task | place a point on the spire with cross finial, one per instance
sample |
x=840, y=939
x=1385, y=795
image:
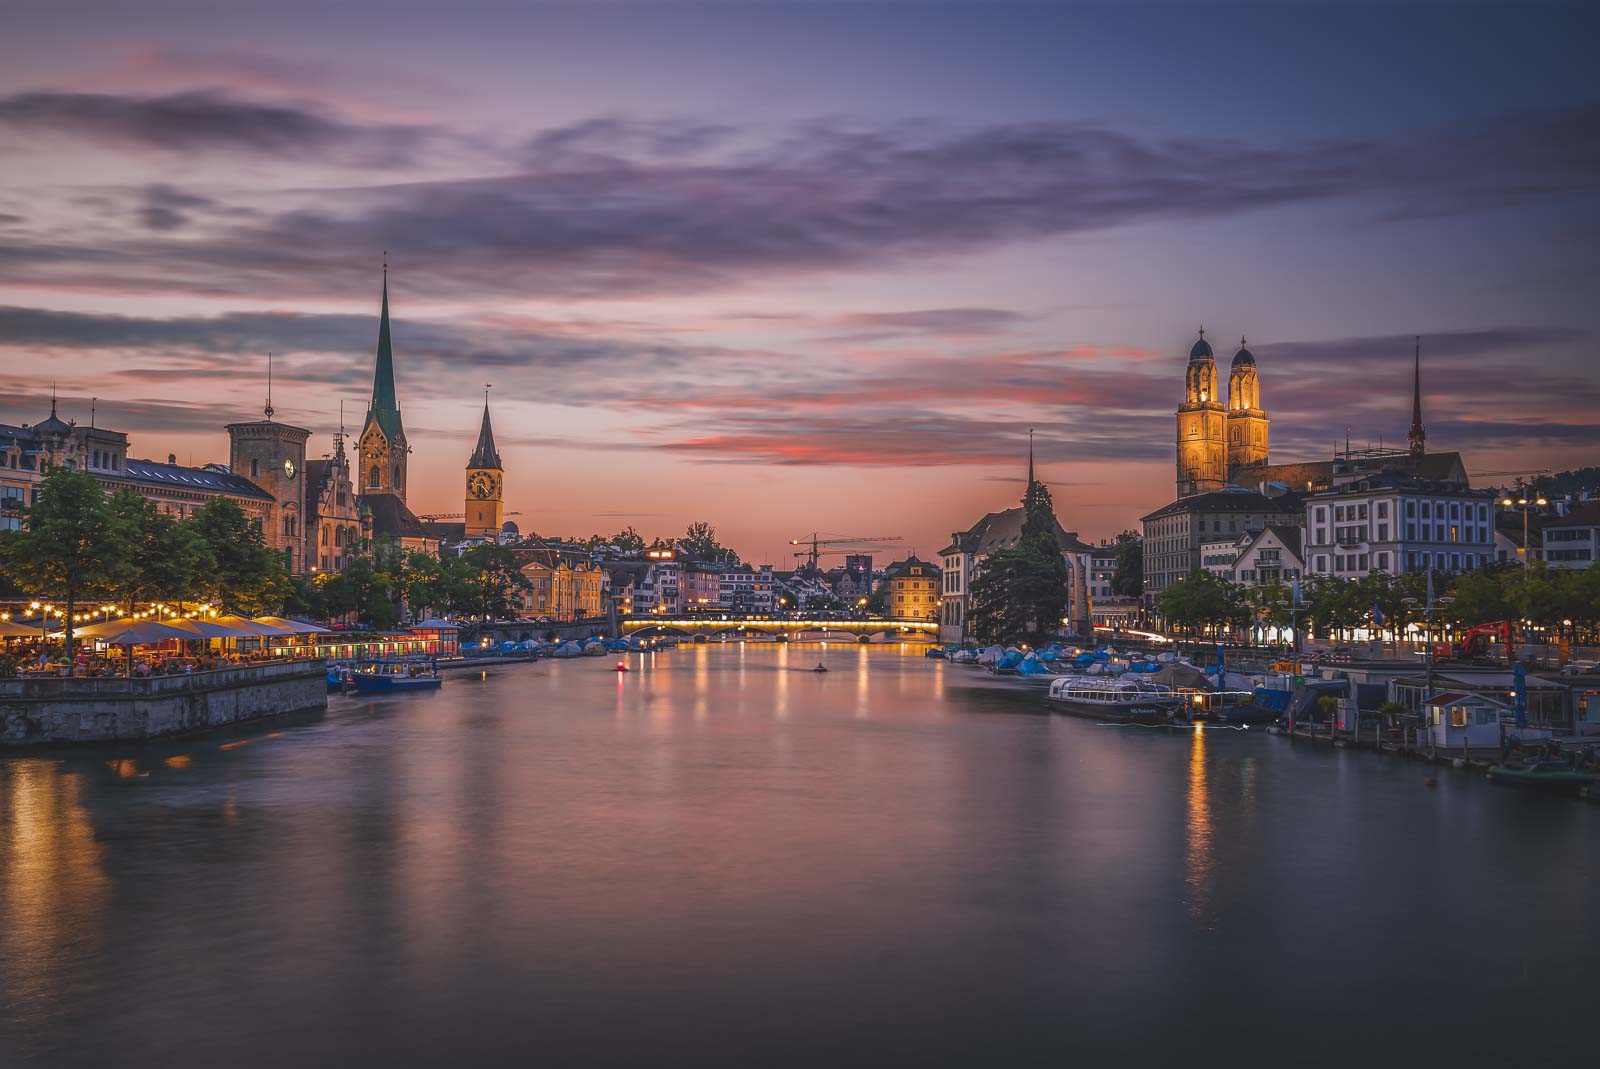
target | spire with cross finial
x=267, y=408
x=485, y=455
x=1418, y=437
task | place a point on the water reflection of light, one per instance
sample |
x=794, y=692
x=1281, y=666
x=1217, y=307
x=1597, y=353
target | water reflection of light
x=126, y=768
x=53, y=889
x=1200, y=858
x=702, y=681
x=863, y=709
x=782, y=697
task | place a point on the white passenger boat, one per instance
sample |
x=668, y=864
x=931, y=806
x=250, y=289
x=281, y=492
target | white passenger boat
x=1114, y=698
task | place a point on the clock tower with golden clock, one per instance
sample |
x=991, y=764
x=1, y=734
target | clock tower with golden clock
x=485, y=485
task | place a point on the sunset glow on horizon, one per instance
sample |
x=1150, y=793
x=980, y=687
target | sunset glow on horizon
x=794, y=269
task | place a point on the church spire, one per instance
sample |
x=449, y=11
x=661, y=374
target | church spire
x=485, y=456
x=1030, y=458
x=1418, y=436
x=383, y=395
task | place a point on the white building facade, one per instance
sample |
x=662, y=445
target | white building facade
x=1395, y=524
x=1573, y=540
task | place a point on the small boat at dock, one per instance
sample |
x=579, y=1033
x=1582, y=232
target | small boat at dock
x=1547, y=768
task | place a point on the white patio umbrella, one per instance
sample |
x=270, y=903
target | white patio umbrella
x=144, y=633
x=246, y=626
x=293, y=627
x=106, y=630
x=208, y=629
x=8, y=629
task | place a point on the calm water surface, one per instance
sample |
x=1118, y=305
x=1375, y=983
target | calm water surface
x=720, y=859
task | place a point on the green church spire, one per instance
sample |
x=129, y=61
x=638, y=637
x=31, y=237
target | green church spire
x=385, y=408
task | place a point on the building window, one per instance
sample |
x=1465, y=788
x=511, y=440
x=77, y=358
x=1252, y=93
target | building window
x=373, y=478
x=255, y=468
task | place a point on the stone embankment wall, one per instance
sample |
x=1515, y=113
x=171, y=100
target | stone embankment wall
x=52, y=709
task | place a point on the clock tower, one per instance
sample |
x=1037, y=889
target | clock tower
x=485, y=485
x=273, y=456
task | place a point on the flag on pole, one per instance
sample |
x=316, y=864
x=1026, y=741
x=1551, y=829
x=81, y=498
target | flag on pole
x=1519, y=693
x=1377, y=614
x=1294, y=595
x=1430, y=588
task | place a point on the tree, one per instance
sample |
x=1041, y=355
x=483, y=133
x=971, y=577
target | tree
x=1021, y=592
x=364, y=590
x=878, y=600
x=71, y=544
x=700, y=541
x=247, y=577
x=1202, y=600
x=1128, y=580
x=496, y=581
x=424, y=584
x=1481, y=596
x=628, y=540
x=167, y=560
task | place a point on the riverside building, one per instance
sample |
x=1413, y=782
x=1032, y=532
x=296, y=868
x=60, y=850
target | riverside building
x=1392, y=523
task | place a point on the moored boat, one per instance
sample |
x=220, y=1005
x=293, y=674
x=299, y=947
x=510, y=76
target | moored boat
x=1544, y=774
x=398, y=675
x=1115, y=699
x=338, y=679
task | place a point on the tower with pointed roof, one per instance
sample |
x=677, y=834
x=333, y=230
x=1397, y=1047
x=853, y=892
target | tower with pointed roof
x=1247, y=423
x=485, y=484
x=1418, y=438
x=273, y=456
x=1202, y=418
x=382, y=446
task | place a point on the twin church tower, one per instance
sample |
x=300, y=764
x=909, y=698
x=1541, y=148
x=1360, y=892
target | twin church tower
x=1216, y=440
x=383, y=451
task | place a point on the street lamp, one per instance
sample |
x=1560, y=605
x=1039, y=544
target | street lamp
x=1522, y=503
x=1428, y=610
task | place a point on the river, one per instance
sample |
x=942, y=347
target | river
x=721, y=859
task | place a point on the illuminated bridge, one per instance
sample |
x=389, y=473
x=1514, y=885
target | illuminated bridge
x=717, y=627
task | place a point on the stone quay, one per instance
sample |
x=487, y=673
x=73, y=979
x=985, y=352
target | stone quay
x=51, y=710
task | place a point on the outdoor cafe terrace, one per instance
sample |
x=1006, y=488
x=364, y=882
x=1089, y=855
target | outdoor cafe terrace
x=158, y=642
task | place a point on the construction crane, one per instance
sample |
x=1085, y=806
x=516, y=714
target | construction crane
x=816, y=542
x=434, y=517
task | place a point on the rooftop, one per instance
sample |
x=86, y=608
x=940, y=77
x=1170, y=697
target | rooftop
x=151, y=473
x=1229, y=499
x=1001, y=530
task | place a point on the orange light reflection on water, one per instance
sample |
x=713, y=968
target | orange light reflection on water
x=1200, y=855
x=53, y=887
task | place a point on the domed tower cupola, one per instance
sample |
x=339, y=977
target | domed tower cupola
x=1202, y=440
x=1201, y=382
x=1243, y=391
x=1247, y=423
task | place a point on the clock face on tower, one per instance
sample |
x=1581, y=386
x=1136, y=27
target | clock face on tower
x=482, y=484
x=289, y=468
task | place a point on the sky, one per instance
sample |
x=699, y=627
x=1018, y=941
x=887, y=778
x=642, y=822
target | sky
x=804, y=267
